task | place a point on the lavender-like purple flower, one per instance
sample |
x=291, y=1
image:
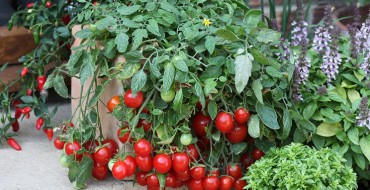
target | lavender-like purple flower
x=285, y=55
x=363, y=118
x=322, y=39
x=365, y=66
x=363, y=36
x=296, y=93
x=299, y=32
x=330, y=65
x=352, y=30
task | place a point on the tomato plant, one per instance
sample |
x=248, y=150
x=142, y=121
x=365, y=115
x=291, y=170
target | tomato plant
x=162, y=163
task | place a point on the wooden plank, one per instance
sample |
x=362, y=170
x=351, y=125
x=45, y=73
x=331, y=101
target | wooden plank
x=14, y=44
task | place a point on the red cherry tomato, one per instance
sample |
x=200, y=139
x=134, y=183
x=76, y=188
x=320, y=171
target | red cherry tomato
x=183, y=176
x=257, y=154
x=142, y=147
x=112, y=145
x=234, y=170
x=119, y=170
x=66, y=19
x=162, y=163
x=100, y=172
x=30, y=5
x=225, y=122
x=200, y=122
x=238, y=134
x=203, y=143
x=198, y=172
x=180, y=162
x=144, y=163
x=90, y=145
x=102, y=156
x=195, y=184
x=72, y=148
x=152, y=180
x=213, y=172
x=144, y=123
x=178, y=183
x=126, y=135
x=133, y=101
x=211, y=183
x=131, y=165
x=48, y=4
x=239, y=184
x=242, y=115
x=113, y=102
x=192, y=152
x=59, y=144
x=170, y=180
x=140, y=178
x=226, y=183
x=246, y=161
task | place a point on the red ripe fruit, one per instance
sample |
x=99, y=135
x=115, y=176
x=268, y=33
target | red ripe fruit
x=29, y=92
x=72, y=148
x=198, y=172
x=195, y=184
x=41, y=81
x=119, y=170
x=24, y=71
x=142, y=147
x=140, y=178
x=102, y=156
x=144, y=123
x=225, y=122
x=126, y=135
x=133, y=101
x=144, y=163
x=48, y=4
x=242, y=115
x=39, y=123
x=246, y=161
x=226, y=183
x=162, y=163
x=180, y=162
x=170, y=180
x=238, y=134
x=30, y=5
x=239, y=184
x=192, y=152
x=211, y=183
x=112, y=145
x=49, y=133
x=200, y=122
x=59, y=144
x=100, y=172
x=152, y=180
x=66, y=19
x=234, y=170
x=13, y=143
x=257, y=154
x=15, y=126
x=90, y=145
x=130, y=165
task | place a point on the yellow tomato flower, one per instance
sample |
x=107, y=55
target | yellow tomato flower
x=206, y=22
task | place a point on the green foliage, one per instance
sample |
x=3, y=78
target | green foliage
x=296, y=166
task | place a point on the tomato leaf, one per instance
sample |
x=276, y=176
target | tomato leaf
x=169, y=75
x=243, y=71
x=180, y=64
x=210, y=43
x=139, y=35
x=236, y=149
x=84, y=33
x=200, y=94
x=98, y=92
x=60, y=87
x=128, y=10
x=265, y=35
x=121, y=42
x=254, y=126
x=153, y=28
x=138, y=81
x=257, y=89
x=268, y=116
x=252, y=18
x=177, y=102
x=212, y=109
x=227, y=35
x=129, y=69
x=87, y=69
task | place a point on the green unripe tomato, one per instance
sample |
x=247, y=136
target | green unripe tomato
x=168, y=96
x=186, y=139
x=111, y=163
x=63, y=160
x=93, y=27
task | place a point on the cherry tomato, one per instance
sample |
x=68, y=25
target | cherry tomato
x=112, y=145
x=144, y=163
x=211, y=183
x=112, y=103
x=178, y=183
x=93, y=27
x=59, y=144
x=192, y=152
x=180, y=162
x=72, y=148
x=203, y=143
x=168, y=96
x=186, y=139
x=213, y=172
x=144, y=123
x=257, y=154
x=234, y=170
x=30, y=5
x=162, y=163
x=238, y=134
x=67, y=126
x=200, y=122
x=170, y=180
x=100, y=172
x=140, y=178
x=199, y=105
x=246, y=161
x=126, y=135
x=66, y=19
x=102, y=156
x=239, y=184
x=133, y=101
x=225, y=122
x=90, y=145
x=131, y=165
x=183, y=176
x=226, y=183
x=48, y=4
x=95, y=3
x=152, y=180
x=88, y=155
x=63, y=160
x=142, y=147
x=195, y=184
x=119, y=170
x=242, y=115
x=198, y=172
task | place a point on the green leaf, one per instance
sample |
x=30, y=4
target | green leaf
x=162, y=180
x=157, y=112
x=139, y=35
x=84, y=33
x=27, y=99
x=190, y=33
x=73, y=171
x=212, y=109
x=335, y=97
x=128, y=10
x=310, y=110
x=257, y=89
x=360, y=161
x=200, y=94
x=267, y=115
x=180, y=64
x=138, y=81
x=353, y=95
x=353, y=135
x=210, y=86
x=73, y=60
x=307, y=125
x=87, y=69
x=106, y=22
x=252, y=18
x=264, y=144
x=169, y=75
x=259, y=57
x=328, y=129
x=121, y=42
x=167, y=141
x=254, y=126
x=243, y=71
x=210, y=43
x=216, y=136
x=265, y=35
x=365, y=146
x=153, y=67
x=60, y=87
x=152, y=27
x=287, y=123
x=64, y=32
x=168, y=7
x=177, y=102
x=227, y=35
x=98, y=92
x=129, y=69
x=273, y=72
x=236, y=149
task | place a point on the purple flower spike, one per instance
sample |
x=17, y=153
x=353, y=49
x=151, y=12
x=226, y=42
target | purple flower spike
x=363, y=118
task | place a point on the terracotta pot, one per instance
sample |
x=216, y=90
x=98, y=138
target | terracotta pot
x=348, y=14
